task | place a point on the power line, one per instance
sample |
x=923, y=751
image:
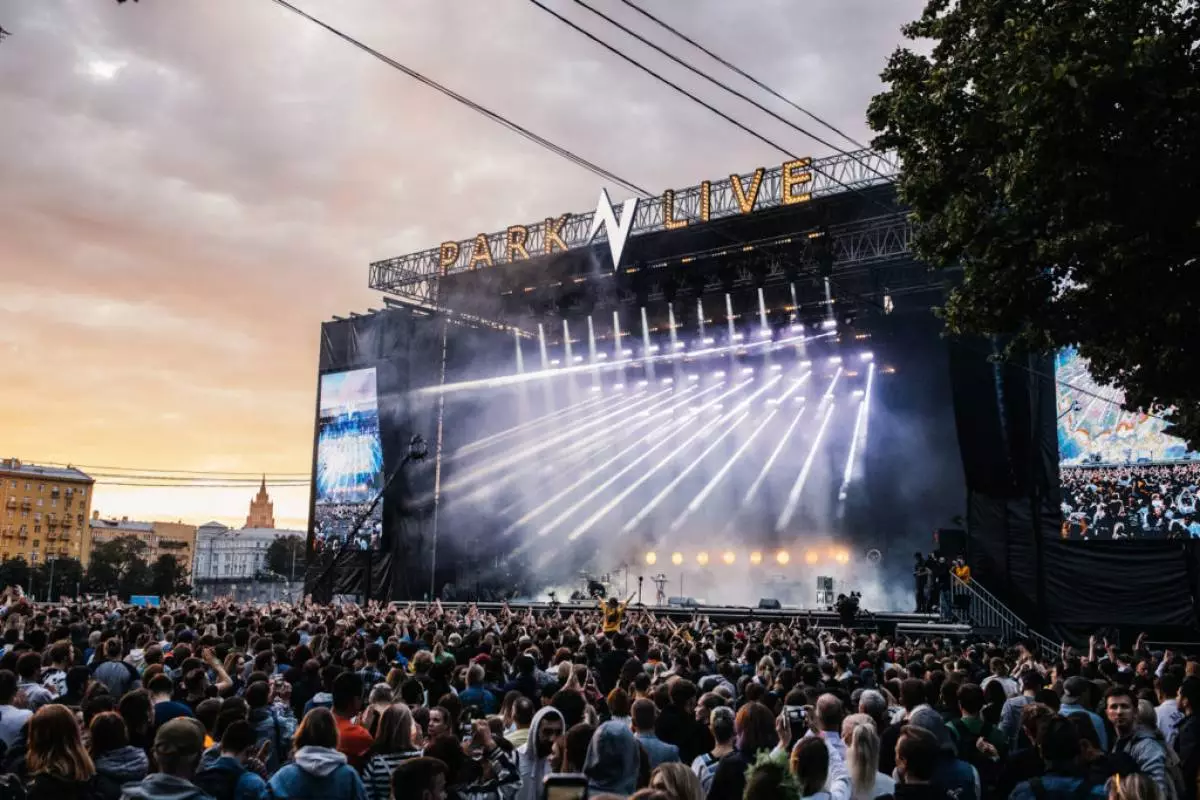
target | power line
x=144, y=485
x=741, y=126
x=150, y=470
x=696, y=70
x=725, y=63
x=492, y=115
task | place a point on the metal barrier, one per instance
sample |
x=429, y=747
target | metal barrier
x=982, y=610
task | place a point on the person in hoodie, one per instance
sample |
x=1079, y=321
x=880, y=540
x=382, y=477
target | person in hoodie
x=533, y=763
x=319, y=769
x=117, y=762
x=613, y=760
x=228, y=778
x=177, y=748
x=58, y=766
x=1141, y=745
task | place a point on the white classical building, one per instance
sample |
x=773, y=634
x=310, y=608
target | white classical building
x=230, y=554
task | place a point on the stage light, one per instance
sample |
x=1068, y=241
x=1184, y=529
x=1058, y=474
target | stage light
x=765, y=333
x=756, y=557
x=776, y=367
x=626, y=352
x=835, y=359
x=867, y=356
x=797, y=328
x=652, y=348
x=595, y=388
x=843, y=557
x=806, y=363
x=708, y=340
x=782, y=557
x=601, y=356
x=618, y=386
x=737, y=337
x=677, y=558
x=702, y=558
x=728, y=557
x=857, y=393
x=829, y=323
x=652, y=558
x=747, y=370
x=554, y=362
x=642, y=383
x=667, y=381
x=811, y=557
x=693, y=377
x=718, y=374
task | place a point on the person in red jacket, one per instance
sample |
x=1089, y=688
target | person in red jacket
x=353, y=739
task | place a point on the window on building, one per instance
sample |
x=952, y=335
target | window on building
x=36, y=542
x=27, y=486
x=40, y=501
x=24, y=512
x=41, y=488
x=12, y=484
x=54, y=502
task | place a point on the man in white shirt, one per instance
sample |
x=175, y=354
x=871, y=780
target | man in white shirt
x=1000, y=673
x=12, y=719
x=1167, y=711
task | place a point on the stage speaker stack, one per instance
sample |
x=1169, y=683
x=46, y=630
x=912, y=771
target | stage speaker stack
x=769, y=604
x=824, y=591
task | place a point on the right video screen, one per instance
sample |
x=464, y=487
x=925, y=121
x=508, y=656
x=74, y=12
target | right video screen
x=1123, y=476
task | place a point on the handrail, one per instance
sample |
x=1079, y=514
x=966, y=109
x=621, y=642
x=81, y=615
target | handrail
x=984, y=610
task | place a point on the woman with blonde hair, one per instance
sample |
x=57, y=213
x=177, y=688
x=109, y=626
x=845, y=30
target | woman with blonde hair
x=1133, y=787
x=393, y=744
x=862, y=759
x=677, y=781
x=58, y=766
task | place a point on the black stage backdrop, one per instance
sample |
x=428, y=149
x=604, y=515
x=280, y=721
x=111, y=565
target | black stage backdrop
x=1006, y=419
x=404, y=348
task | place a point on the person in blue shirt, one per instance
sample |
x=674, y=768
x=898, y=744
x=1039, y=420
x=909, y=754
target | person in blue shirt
x=475, y=694
x=1075, y=691
x=1058, y=744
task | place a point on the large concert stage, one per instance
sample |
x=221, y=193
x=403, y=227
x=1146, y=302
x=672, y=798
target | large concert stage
x=738, y=387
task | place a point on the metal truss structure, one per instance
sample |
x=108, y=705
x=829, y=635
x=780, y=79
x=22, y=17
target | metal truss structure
x=415, y=277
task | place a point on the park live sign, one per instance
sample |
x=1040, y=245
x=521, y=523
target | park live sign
x=788, y=184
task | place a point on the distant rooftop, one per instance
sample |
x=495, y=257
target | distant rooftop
x=14, y=466
x=124, y=524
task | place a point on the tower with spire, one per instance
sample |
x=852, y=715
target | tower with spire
x=262, y=510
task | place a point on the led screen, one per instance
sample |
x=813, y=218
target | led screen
x=349, y=473
x=1123, y=476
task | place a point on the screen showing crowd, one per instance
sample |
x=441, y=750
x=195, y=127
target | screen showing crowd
x=349, y=471
x=1123, y=476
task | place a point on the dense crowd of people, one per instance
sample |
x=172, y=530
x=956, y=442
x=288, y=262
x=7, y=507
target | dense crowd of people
x=100, y=701
x=1134, y=501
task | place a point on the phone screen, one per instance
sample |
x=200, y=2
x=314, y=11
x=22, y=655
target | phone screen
x=564, y=792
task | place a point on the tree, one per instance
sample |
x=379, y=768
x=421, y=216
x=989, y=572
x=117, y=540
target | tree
x=168, y=577
x=1049, y=149
x=280, y=555
x=14, y=572
x=67, y=574
x=119, y=564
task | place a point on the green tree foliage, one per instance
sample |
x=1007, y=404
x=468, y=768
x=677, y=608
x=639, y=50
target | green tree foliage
x=1050, y=150
x=280, y=554
x=14, y=572
x=67, y=576
x=168, y=577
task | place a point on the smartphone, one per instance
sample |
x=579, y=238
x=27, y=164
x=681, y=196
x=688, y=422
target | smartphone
x=565, y=786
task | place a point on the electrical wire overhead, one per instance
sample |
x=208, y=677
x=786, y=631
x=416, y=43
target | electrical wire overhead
x=734, y=68
x=471, y=104
x=740, y=95
x=694, y=98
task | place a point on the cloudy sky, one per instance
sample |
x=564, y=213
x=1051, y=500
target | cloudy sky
x=189, y=187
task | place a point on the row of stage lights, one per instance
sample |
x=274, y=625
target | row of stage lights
x=781, y=557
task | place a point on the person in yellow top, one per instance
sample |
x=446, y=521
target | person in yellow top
x=961, y=570
x=614, y=613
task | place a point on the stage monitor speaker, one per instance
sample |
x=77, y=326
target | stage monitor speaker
x=951, y=542
x=682, y=602
x=769, y=603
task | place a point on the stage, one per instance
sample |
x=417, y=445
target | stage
x=724, y=388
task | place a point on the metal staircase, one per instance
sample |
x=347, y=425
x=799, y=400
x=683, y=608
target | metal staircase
x=979, y=608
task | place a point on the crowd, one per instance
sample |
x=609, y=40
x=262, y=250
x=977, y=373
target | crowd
x=1135, y=501
x=100, y=701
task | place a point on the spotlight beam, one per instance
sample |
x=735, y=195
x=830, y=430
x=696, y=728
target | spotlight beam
x=619, y=364
x=593, y=444
x=491, y=439
x=629, y=489
x=699, y=499
x=500, y=462
x=798, y=487
x=598, y=470
x=762, y=474
x=860, y=429
x=742, y=408
x=613, y=479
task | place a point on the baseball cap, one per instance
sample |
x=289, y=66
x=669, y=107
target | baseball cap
x=180, y=736
x=927, y=717
x=1074, y=689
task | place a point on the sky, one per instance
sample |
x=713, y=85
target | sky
x=190, y=187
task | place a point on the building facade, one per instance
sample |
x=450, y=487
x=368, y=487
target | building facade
x=161, y=538
x=44, y=512
x=227, y=555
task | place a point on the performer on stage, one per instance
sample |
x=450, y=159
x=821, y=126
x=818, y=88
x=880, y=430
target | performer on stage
x=921, y=576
